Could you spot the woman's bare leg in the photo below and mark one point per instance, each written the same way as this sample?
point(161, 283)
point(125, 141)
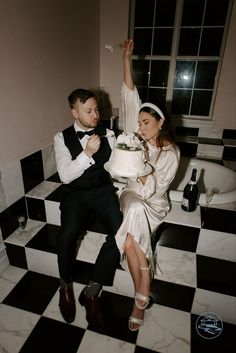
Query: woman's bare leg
point(141, 278)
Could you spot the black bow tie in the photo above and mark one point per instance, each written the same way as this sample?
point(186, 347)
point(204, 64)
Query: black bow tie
point(81, 134)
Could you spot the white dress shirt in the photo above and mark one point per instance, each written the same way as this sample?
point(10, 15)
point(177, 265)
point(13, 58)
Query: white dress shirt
point(69, 169)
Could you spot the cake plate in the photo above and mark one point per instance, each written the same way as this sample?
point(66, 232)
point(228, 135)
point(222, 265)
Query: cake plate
point(146, 171)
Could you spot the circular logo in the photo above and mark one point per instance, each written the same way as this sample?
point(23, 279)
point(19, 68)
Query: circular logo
point(209, 325)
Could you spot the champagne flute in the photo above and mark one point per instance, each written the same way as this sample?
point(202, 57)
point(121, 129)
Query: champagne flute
point(209, 195)
point(22, 220)
point(112, 47)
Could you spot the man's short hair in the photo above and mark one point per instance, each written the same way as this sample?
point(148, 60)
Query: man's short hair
point(82, 94)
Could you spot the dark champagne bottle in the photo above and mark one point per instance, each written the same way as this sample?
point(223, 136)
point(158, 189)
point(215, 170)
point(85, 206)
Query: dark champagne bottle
point(190, 195)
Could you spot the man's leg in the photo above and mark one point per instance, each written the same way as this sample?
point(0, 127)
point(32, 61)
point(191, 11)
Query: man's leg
point(107, 210)
point(72, 215)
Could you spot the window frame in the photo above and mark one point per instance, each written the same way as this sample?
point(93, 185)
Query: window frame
point(185, 119)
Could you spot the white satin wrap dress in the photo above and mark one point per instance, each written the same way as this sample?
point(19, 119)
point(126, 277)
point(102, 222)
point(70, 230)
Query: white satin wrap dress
point(145, 207)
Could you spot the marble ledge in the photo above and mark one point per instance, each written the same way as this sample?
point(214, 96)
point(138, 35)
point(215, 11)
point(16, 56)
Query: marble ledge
point(22, 236)
point(42, 190)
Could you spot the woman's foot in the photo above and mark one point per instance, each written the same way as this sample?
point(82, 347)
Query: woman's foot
point(136, 319)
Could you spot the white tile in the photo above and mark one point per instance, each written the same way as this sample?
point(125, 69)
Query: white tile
point(53, 312)
point(123, 284)
point(42, 262)
point(217, 244)
point(165, 330)
point(8, 279)
point(90, 246)
point(15, 327)
point(49, 163)
point(53, 213)
point(222, 305)
point(23, 236)
point(212, 151)
point(11, 185)
point(93, 342)
point(176, 266)
point(179, 216)
point(210, 132)
point(42, 190)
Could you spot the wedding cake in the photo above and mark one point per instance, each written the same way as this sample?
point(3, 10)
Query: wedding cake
point(128, 157)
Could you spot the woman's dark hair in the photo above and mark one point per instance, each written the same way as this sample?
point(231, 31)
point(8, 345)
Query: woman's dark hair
point(82, 94)
point(165, 134)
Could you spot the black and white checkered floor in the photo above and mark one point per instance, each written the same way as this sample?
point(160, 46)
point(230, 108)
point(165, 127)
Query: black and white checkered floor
point(196, 266)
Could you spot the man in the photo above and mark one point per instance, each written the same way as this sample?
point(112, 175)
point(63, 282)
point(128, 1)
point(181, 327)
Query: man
point(81, 151)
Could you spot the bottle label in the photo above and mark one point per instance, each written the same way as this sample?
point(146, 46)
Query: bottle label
point(185, 202)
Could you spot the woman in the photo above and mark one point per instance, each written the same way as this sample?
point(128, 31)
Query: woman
point(144, 201)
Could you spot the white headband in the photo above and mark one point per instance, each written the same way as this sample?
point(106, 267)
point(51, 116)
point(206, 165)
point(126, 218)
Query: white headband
point(154, 107)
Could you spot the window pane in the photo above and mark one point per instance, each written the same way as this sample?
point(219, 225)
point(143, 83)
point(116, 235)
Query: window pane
point(142, 41)
point(181, 101)
point(165, 12)
point(144, 11)
point(192, 12)
point(143, 93)
point(216, 12)
point(158, 97)
point(189, 41)
point(159, 73)
point(141, 72)
point(162, 41)
point(205, 74)
point(211, 41)
point(201, 103)
point(184, 74)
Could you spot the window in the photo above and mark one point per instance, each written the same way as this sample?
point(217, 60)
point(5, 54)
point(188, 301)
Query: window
point(178, 51)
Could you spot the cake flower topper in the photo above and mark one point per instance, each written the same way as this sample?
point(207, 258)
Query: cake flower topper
point(129, 142)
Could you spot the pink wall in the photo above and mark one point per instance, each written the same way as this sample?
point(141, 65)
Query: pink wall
point(48, 48)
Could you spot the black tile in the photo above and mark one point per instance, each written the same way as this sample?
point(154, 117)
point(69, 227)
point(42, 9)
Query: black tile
point(50, 336)
point(224, 342)
point(36, 209)
point(229, 153)
point(218, 219)
point(16, 255)
point(186, 131)
point(45, 239)
point(8, 218)
point(32, 170)
point(229, 134)
point(56, 195)
point(172, 295)
point(116, 311)
point(216, 275)
point(33, 292)
point(55, 177)
point(188, 149)
point(178, 236)
point(209, 141)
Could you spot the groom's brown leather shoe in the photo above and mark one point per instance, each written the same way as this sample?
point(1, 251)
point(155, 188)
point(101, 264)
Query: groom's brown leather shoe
point(67, 303)
point(93, 310)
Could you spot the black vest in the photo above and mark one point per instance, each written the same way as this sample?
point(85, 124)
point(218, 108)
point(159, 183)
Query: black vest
point(95, 176)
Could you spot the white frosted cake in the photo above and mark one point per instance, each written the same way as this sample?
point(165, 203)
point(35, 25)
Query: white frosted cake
point(128, 158)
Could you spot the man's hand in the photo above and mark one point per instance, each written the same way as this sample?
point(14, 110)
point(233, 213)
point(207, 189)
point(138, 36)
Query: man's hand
point(93, 145)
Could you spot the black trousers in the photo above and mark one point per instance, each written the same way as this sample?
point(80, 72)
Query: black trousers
point(77, 208)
